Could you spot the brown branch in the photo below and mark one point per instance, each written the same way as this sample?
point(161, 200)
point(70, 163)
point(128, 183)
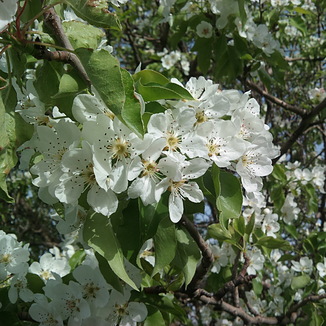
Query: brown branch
point(54, 21)
point(304, 59)
point(133, 44)
point(252, 320)
point(242, 278)
point(207, 255)
point(275, 100)
point(308, 299)
point(304, 124)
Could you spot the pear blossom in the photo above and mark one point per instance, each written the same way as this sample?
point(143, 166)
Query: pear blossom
point(48, 265)
point(114, 148)
point(45, 312)
point(67, 300)
point(148, 176)
point(87, 107)
point(177, 182)
point(220, 258)
point(122, 312)
point(79, 174)
point(204, 29)
point(222, 146)
point(270, 224)
point(321, 267)
point(95, 288)
point(289, 209)
point(53, 143)
point(19, 289)
point(260, 306)
point(8, 9)
point(304, 265)
point(13, 256)
point(256, 261)
point(173, 131)
point(252, 165)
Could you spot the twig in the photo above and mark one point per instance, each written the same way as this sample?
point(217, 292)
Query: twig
point(304, 124)
point(242, 278)
point(309, 298)
point(276, 100)
point(304, 59)
point(207, 255)
point(54, 21)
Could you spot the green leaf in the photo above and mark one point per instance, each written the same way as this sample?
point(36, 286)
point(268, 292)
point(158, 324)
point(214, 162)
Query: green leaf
point(154, 107)
point(77, 258)
point(70, 83)
point(242, 11)
point(151, 216)
point(35, 283)
point(303, 11)
point(206, 185)
point(154, 318)
point(131, 111)
point(266, 78)
point(250, 224)
point(32, 9)
point(99, 234)
point(165, 243)
point(148, 76)
point(316, 319)
point(91, 36)
point(187, 255)
point(204, 48)
point(257, 286)
point(292, 230)
point(240, 225)
point(103, 69)
point(279, 173)
point(277, 195)
point(299, 23)
point(128, 230)
point(18, 60)
point(166, 304)
point(47, 80)
point(152, 92)
point(273, 243)
point(229, 193)
point(108, 273)
point(216, 231)
point(154, 86)
point(176, 284)
point(97, 15)
point(228, 62)
point(9, 318)
point(312, 198)
point(299, 282)
point(8, 158)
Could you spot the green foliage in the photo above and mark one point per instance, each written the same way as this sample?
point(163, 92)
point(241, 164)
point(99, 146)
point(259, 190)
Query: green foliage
point(97, 15)
point(99, 234)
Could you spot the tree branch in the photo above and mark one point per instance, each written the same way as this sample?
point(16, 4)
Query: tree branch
point(207, 255)
point(304, 124)
point(54, 22)
point(275, 100)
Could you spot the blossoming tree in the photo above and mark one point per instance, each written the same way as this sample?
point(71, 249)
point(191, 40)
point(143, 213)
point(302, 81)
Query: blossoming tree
point(179, 149)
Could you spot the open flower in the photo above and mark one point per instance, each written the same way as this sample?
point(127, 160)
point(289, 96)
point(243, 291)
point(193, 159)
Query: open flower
point(303, 266)
point(8, 9)
point(204, 29)
point(178, 175)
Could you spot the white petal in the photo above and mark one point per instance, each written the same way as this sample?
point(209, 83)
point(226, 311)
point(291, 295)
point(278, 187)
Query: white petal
point(175, 208)
point(104, 202)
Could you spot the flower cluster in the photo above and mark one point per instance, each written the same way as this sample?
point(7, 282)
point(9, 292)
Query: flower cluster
point(87, 299)
point(102, 157)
